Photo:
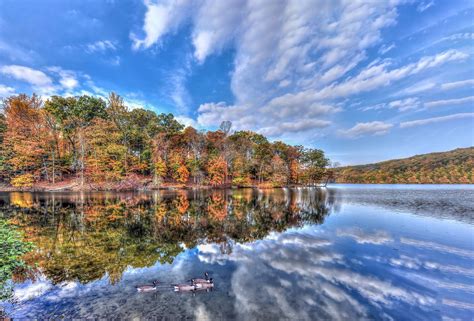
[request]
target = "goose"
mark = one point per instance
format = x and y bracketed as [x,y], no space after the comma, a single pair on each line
[147,287]
[198,281]
[209,284]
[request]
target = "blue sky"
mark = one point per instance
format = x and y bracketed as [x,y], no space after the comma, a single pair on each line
[363,80]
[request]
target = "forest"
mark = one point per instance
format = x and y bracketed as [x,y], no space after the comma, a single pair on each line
[452,167]
[86,142]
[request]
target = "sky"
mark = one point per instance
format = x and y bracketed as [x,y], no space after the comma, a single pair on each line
[363,80]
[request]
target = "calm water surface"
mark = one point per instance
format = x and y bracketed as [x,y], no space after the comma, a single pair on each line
[345,252]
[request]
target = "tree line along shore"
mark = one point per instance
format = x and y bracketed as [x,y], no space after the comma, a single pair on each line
[88,143]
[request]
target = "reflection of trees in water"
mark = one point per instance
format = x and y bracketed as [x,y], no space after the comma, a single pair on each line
[85,236]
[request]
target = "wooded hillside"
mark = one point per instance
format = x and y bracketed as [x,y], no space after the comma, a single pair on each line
[454,167]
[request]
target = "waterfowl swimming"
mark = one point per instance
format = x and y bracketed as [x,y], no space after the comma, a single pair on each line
[184,287]
[209,284]
[147,287]
[198,281]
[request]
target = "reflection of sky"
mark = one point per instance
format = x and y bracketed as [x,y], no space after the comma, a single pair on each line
[364,262]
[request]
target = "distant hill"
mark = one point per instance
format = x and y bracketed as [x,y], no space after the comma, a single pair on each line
[452,167]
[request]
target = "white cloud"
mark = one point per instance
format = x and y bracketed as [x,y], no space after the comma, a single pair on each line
[424,5]
[187,121]
[450,102]
[101,46]
[67,78]
[405,104]
[160,18]
[362,237]
[400,105]
[430,84]
[418,87]
[369,128]
[216,24]
[420,122]
[6,91]
[437,246]
[458,84]
[374,107]
[30,75]
[41,82]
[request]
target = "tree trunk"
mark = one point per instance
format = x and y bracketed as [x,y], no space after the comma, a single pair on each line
[81,139]
[54,173]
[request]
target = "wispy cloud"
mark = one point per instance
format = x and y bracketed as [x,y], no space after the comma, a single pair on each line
[101,46]
[458,84]
[369,128]
[460,36]
[426,121]
[450,102]
[424,5]
[401,105]
[386,48]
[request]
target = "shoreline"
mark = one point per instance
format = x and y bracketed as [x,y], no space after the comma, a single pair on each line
[172,187]
[121,187]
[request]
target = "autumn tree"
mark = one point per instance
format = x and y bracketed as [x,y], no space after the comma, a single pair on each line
[74,115]
[106,153]
[279,176]
[217,171]
[25,138]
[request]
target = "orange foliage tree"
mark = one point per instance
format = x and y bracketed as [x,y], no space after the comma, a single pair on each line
[217,171]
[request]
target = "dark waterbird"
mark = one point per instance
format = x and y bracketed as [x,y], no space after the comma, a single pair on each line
[147,287]
[199,281]
[208,285]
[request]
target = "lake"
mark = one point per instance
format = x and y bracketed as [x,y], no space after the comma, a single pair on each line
[381,252]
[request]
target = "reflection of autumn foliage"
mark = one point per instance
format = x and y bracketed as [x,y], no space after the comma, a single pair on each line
[182,203]
[21,199]
[88,236]
[217,207]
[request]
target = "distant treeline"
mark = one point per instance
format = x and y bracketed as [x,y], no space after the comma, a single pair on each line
[455,167]
[93,141]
